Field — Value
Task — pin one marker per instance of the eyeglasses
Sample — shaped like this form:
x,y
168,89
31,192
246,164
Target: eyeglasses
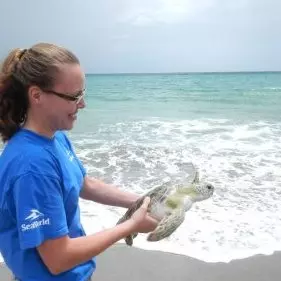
x,y
77,98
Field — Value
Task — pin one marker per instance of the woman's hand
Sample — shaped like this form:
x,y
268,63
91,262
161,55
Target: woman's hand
x,y
141,220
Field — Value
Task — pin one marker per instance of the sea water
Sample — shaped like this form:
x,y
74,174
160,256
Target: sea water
x,y
140,130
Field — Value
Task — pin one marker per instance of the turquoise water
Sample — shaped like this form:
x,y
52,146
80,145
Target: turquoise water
x,y
138,131
252,96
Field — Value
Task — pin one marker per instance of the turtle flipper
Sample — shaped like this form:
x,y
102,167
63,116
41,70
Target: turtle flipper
x,y
167,225
195,175
130,238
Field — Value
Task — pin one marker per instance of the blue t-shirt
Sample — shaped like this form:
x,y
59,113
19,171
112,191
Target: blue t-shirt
x,y
40,182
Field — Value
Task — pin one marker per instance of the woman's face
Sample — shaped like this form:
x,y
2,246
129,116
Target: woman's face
x,y
59,111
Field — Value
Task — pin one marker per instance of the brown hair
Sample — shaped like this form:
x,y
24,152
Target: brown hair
x,y
21,69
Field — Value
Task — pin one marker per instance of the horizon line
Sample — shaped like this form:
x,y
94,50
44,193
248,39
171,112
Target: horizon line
x,y
184,72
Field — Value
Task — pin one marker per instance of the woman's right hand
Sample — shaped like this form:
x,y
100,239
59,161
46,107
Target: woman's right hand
x,y
142,222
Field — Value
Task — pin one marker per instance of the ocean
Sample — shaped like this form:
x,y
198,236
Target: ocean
x,y
139,130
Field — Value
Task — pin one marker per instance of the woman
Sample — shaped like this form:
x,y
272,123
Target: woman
x,y
41,178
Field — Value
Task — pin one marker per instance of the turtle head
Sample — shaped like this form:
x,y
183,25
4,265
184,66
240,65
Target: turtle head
x,y
202,191
197,191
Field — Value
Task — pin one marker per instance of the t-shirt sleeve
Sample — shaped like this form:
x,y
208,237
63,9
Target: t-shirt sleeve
x,y
39,209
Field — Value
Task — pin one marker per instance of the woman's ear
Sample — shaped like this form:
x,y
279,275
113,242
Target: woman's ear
x,y
34,94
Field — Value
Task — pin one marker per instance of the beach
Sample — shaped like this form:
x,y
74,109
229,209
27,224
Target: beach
x,y
139,131
137,265
123,263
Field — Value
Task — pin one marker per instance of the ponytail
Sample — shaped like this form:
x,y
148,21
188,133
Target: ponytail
x,y
13,96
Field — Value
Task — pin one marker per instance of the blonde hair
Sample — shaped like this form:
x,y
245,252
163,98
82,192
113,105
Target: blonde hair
x,y
38,65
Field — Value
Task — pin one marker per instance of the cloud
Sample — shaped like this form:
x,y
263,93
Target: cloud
x,y
151,35
145,13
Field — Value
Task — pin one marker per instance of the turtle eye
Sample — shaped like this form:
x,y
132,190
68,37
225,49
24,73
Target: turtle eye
x,y
209,186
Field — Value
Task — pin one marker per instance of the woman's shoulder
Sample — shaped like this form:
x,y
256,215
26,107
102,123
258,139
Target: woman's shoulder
x,y
62,136
28,158
65,140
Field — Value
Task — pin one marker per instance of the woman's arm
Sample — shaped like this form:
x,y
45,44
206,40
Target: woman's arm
x,y
107,194
64,253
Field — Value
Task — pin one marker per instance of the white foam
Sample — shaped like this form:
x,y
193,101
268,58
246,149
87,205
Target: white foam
x,y
240,159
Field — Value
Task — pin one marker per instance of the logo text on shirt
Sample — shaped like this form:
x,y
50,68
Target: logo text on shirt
x,y
36,219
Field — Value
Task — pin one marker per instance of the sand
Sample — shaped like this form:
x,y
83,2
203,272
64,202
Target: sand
x,y
122,263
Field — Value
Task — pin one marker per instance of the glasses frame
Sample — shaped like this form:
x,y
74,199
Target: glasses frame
x,y
69,97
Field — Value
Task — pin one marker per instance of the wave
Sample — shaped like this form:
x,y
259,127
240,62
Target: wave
x,y
241,160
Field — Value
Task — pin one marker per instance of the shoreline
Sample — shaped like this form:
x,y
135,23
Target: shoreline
x,y
138,264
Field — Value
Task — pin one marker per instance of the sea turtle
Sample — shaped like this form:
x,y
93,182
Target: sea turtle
x,y
168,205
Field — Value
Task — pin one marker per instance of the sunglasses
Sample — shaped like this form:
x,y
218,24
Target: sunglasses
x,y
76,98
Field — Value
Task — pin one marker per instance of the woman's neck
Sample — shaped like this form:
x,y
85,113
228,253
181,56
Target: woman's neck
x,y
38,126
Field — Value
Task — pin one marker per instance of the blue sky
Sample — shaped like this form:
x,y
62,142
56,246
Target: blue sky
x,y
113,36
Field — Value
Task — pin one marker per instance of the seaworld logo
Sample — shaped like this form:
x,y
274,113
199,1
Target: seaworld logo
x,y
35,219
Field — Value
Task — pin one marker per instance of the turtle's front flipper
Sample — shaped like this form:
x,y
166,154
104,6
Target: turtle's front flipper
x,y
167,225
129,239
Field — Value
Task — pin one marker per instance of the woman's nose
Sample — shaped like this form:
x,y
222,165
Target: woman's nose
x,y
81,103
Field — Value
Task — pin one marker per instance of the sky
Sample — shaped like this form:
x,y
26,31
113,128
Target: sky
x,y
148,36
